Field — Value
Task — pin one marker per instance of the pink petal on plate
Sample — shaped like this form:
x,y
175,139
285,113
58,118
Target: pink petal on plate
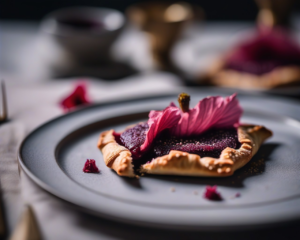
x,y
159,121
211,112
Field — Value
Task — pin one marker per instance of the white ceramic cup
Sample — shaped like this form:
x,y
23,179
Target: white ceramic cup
x,y
83,35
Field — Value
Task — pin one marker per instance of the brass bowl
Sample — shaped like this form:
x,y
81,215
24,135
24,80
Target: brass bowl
x,y
163,22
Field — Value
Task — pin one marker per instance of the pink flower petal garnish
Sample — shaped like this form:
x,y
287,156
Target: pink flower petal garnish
x,y
159,121
90,166
211,112
212,194
76,98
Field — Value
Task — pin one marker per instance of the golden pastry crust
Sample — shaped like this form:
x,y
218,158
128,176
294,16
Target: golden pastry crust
x,y
181,163
115,156
278,77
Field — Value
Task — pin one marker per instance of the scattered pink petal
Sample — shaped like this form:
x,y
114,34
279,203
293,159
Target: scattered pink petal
x,y
77,98
211,112
90,166
159,121
212,194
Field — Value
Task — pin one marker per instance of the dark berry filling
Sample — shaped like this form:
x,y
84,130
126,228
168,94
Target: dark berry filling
x,y
81,23
208,144
133,138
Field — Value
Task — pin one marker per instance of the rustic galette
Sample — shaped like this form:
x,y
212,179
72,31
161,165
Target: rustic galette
x,y
269,59
207,140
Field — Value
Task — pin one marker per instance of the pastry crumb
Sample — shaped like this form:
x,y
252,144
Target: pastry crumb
x,y
237,195
255,167
172,189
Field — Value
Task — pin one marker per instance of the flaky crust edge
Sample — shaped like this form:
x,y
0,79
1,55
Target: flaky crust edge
x,y
115,156
119,158
278,77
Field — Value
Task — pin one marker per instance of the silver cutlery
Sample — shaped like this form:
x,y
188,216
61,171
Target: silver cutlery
x,y
3,115
27,228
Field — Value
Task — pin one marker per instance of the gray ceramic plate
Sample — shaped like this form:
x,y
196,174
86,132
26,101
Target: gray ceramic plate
x,y
269,186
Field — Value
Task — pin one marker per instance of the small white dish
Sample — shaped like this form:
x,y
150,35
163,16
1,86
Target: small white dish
x,y
82,35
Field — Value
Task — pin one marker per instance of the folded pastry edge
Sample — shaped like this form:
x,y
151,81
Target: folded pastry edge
x,y
182,163
115,156
280,76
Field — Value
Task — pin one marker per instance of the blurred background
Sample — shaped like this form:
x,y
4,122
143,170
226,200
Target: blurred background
x,y
215,9
30,37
